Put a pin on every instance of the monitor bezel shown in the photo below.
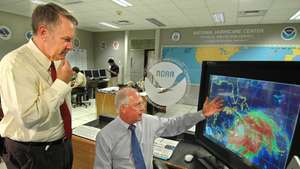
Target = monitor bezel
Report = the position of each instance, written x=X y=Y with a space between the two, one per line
x=260 y=70
x=103 y=70
x=96 y=72
x=91 y=73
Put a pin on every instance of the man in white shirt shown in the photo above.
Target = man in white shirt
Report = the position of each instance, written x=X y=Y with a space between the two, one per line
x=114 y=143
x=78 y=84
x=35 y=95
x=79 y=78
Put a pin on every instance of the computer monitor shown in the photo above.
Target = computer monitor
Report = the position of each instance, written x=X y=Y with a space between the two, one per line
x=88 y=74
x=96 y=74
x=102 y=72
x=262 y=103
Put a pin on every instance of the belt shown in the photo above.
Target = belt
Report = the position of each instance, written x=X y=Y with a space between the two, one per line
x=60 y=141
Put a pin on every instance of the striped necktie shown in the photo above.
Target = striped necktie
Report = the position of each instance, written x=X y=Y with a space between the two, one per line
x=64 y=110
x=136 y=150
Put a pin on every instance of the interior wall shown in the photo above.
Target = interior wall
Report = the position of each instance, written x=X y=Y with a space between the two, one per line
x=18 y=25
x=103 y=50
x=86 y=42
x=21 y=24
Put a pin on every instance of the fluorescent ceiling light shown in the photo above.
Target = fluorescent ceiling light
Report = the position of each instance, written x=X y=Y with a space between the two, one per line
x=155 y=22
x=123 y=3
x=109 y=25
x=296 y=16
x=218 y=17
x=39 y=2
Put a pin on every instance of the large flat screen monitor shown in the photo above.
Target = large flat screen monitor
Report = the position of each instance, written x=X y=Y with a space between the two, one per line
x=96 y=74
x=102 y=72
x=88 y=73
x=257 y=128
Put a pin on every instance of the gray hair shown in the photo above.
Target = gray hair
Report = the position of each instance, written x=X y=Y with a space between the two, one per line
x=122 y=97
x=49 y=15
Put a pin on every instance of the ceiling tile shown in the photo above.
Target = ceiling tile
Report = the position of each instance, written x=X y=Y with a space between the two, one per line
x=279 y=14
x=286 y=4
x=249 y=20
x=219 y=6
x=174 y=13
x=245 y=5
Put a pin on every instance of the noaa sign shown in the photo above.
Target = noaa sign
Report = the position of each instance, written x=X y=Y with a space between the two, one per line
x=289 y=33
x=166 y=83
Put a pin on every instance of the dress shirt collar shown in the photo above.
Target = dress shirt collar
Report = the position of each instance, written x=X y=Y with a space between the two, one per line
x=123 y=123
x=39 y=55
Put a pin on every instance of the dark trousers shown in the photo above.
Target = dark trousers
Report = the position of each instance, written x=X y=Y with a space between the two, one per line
x=23 y=155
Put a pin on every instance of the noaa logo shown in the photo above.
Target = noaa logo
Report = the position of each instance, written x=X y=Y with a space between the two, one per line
x=165 y=83
x=289 y=33
x=5 y=33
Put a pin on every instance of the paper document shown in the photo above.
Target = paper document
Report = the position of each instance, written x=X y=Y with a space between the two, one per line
x=86 y=132
x=164 y=148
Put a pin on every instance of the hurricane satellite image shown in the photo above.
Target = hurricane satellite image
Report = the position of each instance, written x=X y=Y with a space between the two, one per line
x=258 y=120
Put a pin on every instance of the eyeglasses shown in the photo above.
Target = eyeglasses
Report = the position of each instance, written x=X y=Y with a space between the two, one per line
x=137 y=105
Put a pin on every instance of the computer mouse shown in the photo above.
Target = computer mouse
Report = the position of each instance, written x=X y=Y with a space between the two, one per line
x=188 y=158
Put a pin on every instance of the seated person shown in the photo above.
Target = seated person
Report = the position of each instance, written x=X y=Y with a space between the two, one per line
x=78 y=84
x=127 y=141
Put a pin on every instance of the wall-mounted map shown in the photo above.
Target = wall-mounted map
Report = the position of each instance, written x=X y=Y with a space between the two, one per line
x=192 y=57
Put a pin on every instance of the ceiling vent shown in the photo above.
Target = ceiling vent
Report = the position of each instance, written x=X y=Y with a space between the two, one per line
x=69 y=2
x=123 y=22
x=252 y=13
x=155 y=22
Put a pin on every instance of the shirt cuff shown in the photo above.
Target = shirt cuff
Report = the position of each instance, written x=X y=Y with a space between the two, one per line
x=61 y=87
x=198 y=116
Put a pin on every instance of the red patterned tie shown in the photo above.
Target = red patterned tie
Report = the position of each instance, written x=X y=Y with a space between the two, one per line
x=64 y=110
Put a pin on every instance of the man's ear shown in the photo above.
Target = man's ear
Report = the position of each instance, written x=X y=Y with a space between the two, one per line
x=42 y=31
x=122 y=109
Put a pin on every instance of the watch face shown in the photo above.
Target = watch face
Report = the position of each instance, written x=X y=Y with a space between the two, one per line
x=175 y=36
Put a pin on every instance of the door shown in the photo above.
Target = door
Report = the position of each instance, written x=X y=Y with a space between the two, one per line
x=136 y=64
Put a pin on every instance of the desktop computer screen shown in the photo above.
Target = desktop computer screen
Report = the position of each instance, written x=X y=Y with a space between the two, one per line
x=96 y=74
x=102 y=72
x=88 y=73
x=257 y=126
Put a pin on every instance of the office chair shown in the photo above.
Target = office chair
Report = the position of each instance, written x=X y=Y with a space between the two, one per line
x=82 y=97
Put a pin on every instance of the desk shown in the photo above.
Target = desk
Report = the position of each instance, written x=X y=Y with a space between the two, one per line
x=93 y=85
x=105 y=104
x=84 y=155
x=84 y=151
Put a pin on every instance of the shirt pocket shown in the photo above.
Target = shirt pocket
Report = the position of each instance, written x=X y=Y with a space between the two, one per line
x=122 y=155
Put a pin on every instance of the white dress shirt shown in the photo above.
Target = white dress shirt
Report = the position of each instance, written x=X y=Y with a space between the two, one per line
x=30 y=100
x=113 y=142
x=80 y=80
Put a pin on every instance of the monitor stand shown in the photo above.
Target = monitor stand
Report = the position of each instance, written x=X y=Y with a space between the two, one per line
x=294 y=163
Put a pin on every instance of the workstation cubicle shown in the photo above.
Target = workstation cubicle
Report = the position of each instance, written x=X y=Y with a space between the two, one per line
x=96 y=79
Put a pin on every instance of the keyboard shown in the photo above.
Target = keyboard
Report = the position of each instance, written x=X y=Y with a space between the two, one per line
x=164 y=148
